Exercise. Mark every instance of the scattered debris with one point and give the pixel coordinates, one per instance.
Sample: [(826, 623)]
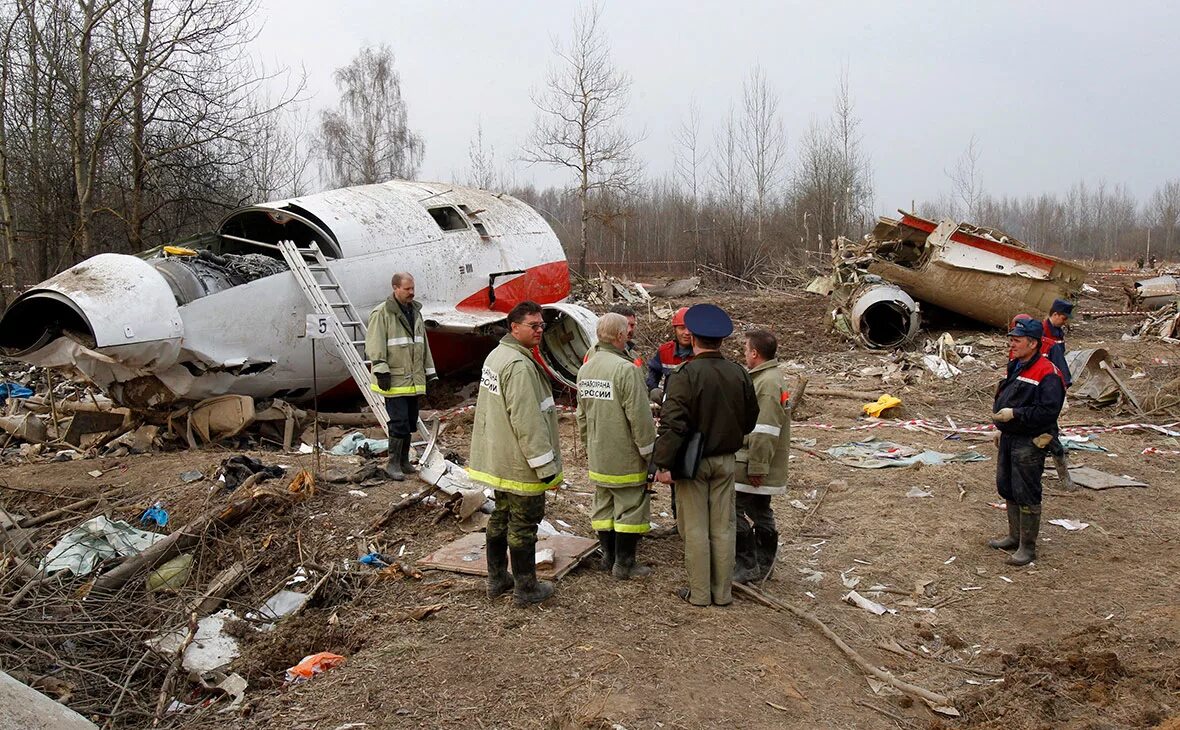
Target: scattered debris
[(873, 607), (1094, 479), (466, 555), (81, 549), (356, 441), (1071, 525), (875, 454), (882, 404), (918, 492), (312, 665), (237, 470)]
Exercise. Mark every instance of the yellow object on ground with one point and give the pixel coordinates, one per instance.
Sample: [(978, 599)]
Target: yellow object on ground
[(884, 402), (179, 251)]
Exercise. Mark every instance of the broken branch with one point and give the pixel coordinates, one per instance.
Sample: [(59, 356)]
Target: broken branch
[(396, 507), (910, 689)]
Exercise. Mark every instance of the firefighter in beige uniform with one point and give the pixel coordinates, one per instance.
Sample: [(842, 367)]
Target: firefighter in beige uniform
[(515, 451), (402, 365), (761, 468), (615, 424)]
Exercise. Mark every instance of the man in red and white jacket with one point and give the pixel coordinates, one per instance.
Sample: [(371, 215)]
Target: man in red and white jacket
[(1027, 404), (671, 354)]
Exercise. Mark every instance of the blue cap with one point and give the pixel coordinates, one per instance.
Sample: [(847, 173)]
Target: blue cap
[(708, 320), (1060, 305), (1027, 328)]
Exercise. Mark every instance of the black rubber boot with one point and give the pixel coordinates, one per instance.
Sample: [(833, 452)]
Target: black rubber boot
[(746, 564), (766, 549), (625, 566), (407, 467), (499, 580), (1013, 539), (606, 544), (524, 573), (1030, 526), (393, 465)]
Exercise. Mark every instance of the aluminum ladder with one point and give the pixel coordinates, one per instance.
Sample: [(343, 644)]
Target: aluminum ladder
[(347, 329)]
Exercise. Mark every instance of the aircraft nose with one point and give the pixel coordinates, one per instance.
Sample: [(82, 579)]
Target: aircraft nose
[(114, 303)]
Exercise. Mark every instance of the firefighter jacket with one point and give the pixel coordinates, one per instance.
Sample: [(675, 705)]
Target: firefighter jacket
[(708, 394), (399, 347), (667, 357), (614, 418), (1035, 392), (514, 446), (1053, 347), (767, 448)]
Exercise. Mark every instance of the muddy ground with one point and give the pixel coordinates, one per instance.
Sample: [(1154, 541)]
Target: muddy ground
[(1087, 637)]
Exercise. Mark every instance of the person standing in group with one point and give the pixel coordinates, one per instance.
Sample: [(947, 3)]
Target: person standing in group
[(715, 398), (1053, 347), (615, 423), (629, 350), (670, 355), (1027, 404), (396, 345), (761, 470), (515, 451)]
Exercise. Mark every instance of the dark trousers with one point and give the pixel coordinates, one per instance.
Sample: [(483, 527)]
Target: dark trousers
[(517, 516), (1018, 470), (754, 513), (403, 415)]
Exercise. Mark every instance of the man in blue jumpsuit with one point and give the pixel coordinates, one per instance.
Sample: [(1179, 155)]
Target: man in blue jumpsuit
[(1025, 411)]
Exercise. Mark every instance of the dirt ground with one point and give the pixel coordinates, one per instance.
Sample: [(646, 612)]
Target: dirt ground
[(1087, 637)]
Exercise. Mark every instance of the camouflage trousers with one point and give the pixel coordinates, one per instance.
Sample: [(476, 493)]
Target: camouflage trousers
[(516, 516)]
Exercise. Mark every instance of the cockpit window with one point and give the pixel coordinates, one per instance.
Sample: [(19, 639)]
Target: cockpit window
[(448, 218)]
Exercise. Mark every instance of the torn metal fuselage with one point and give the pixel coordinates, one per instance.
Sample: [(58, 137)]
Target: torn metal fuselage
[(977, 272), (222, 315)]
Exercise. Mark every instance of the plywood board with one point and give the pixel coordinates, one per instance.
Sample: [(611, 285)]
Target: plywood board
[(466, 555), (1094, 479)]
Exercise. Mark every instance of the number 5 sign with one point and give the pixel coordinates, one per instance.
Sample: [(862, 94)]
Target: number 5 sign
[(317, 326)]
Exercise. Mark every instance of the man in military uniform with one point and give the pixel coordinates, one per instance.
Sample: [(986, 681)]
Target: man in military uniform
[(1025, 411), (713, 397), (515, 451), (615, 424), (401, 366), (761, 470)]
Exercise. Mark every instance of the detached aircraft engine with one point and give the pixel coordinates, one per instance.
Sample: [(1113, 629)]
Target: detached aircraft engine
[(222, 314)]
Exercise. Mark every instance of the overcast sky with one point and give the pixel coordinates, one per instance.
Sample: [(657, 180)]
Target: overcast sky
[(1053, 91)]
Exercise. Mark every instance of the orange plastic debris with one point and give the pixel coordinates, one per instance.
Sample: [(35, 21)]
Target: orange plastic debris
[(312, 665)]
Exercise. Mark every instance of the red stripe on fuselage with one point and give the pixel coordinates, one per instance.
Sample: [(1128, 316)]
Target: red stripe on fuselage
[(544, 284), (1023, 255)]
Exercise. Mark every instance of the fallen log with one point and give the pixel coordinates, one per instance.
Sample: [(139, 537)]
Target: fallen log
[(841, 393), (221, 586), (188, 535), (70, 508), (935, 699), (396, 507), (345, 419)]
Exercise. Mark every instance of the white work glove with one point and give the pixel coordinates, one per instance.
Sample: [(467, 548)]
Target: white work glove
[(1003, 415)]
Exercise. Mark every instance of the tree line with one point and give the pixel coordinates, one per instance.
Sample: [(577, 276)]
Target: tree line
[(126, 124)]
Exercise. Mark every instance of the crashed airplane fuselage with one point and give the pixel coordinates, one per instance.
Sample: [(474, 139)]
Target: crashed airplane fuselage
[(976, 272), (170, 325)]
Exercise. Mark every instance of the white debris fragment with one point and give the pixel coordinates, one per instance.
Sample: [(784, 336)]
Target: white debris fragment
[(1006, 579), (798, 505), (1071, 525), (950, 560), (872, 607), (918, 492), (849, 582)]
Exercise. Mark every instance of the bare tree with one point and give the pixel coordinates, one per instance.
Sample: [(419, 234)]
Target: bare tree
[(367, 138), (731, 185), (855, 185), (579, 127), (690, 160), (482, 160), (1163, 214), (763, 143), (965, 180), (9, 27)]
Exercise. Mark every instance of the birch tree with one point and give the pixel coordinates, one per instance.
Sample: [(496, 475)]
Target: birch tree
[(580, 124)]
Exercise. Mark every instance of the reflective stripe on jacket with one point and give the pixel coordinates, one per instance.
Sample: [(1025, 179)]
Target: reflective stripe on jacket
[(514, 444), (1053, 347), (1035, 392), (667, 358), (397, 347), (767, 448), (614, 419)]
